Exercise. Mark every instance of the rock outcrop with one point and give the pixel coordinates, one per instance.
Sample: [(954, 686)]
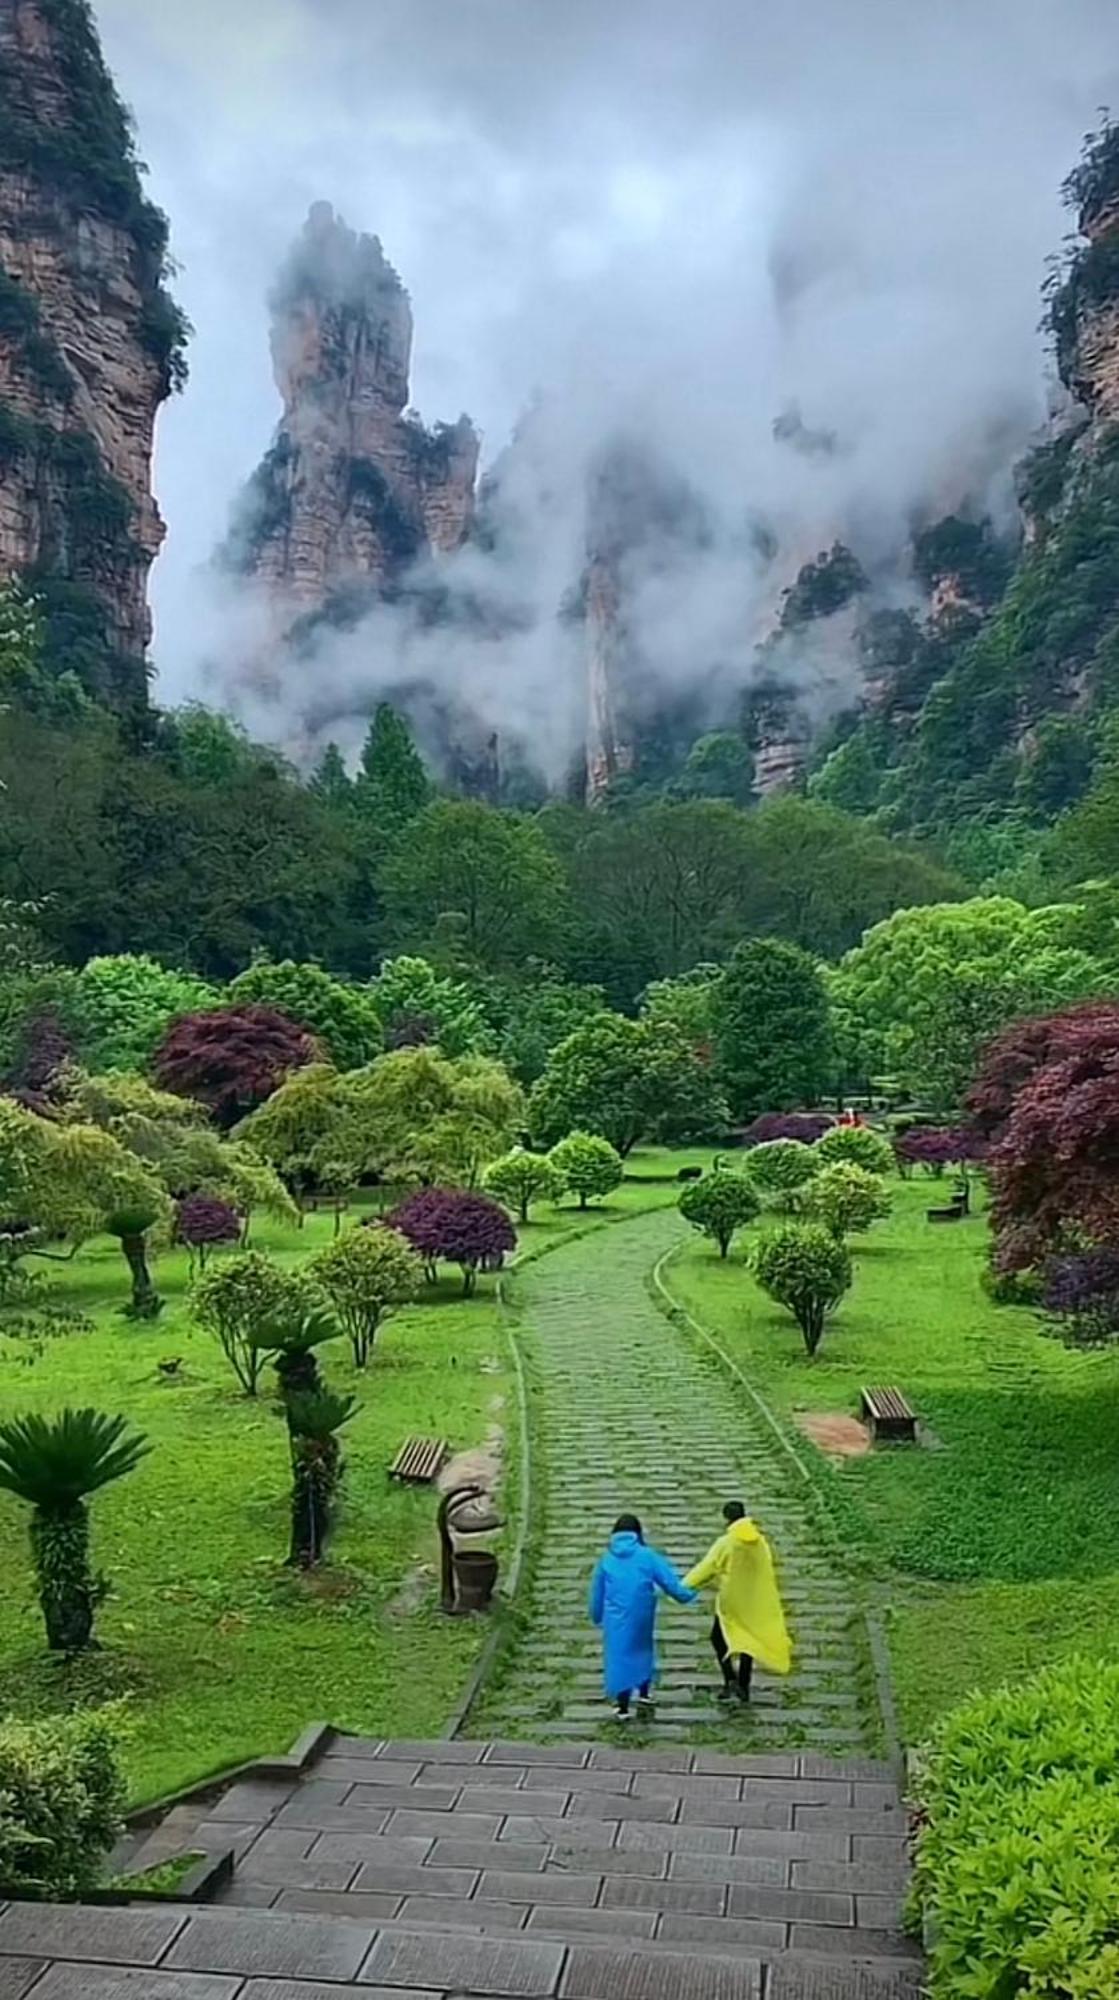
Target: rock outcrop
[(354, 488), (90, 346)]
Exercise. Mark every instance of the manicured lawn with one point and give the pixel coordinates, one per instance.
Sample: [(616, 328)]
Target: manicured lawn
[(1000, 1547), (224, 1653)]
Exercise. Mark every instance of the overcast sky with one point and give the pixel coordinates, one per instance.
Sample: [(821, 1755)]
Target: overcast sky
[(675, 217)]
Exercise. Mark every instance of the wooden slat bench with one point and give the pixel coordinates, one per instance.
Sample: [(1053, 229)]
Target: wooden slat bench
[(420, 1460), (889, 1415)]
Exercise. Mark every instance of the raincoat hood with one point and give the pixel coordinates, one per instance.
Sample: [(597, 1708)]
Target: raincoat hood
[(743, 1532), (625, 1544)]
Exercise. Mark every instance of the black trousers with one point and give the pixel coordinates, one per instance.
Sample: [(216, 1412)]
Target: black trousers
[(622, 1703), (722, 1654)]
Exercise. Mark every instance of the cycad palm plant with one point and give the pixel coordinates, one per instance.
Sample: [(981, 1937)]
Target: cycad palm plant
[(314, 1420), (55, 1463)]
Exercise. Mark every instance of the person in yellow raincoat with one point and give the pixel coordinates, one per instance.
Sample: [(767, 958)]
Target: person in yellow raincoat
[(749, 1616)]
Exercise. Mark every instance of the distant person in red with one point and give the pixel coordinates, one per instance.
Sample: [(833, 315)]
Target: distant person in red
[(850, 1117)]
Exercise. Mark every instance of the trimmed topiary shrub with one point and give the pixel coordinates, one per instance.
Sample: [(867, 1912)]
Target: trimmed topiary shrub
[(856, 1146), (804, 1268), (455, 1226), (519, 1178), (781, 1169), (586, 1165), (846, 1199), (61, 1795), (365, 1274), (718, 1205), (1017, 1870)]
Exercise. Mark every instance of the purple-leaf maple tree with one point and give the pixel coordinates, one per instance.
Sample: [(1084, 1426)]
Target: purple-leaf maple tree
[(1049, 1093), (807, 1126), (455, 1226), (231, 1058)]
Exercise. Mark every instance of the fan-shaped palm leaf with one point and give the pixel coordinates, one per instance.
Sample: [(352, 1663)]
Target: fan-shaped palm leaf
[(55, 1462), (319, 1415)]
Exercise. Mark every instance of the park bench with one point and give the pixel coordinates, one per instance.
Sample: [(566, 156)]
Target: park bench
[(889, 1415), (419, 1460), (955, 1209)]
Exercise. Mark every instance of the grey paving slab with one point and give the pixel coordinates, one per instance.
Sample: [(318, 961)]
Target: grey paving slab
[(253, 1800), (454, 1853), (809, 1906), (695, 1899), (360, 1909), (463, 1964), (422, 1798), (855, 1943), (16, 1975), (347, 1770), (723, 1933), (382, 1878), (271, 1944), (481, 1913), (412, 1750), (597, 1973), (640, 1835), (773, 1870), (800, 1979), (302, 1989), (372, 1850), (287, 1871), (407, 1825), (333, 1819), (639, 1924), (62, 1930), (110, 1982), (556, 1889)]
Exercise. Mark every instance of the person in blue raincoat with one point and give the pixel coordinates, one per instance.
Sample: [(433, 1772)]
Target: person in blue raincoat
[(623, 1602)]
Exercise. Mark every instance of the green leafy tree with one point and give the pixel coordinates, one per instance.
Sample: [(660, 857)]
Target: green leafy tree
[(125, 1004), (233, 1300), (626, 1080), (343, 1018), (719, 1205), (781, 1169), (392, 787), (331, 781), (586, 1165), (683, 1004), (856, 1146), (929, 988), (847, 1199), (804, 1268), (718, 766), (537, 1018), (55, 1464), (415, 1003), (491, 873), (519, 1178), (364, 1275), (421, 1117), (300, 1124), (770, 1029)]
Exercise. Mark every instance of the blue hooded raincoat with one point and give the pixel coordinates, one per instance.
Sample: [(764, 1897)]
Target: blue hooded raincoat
[(624, 1602)]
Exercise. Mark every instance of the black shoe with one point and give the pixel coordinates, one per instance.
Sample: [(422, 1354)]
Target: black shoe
[(727, 1692)]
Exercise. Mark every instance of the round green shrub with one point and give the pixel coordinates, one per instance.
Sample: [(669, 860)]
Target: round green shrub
[(781, 1169), (846, 1199), (586, 1165), (1017, 1870), (856, 1146), (805, 1269), (718, 1205)]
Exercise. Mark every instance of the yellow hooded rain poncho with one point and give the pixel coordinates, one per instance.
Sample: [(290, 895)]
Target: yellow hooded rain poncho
[(748, 1602)]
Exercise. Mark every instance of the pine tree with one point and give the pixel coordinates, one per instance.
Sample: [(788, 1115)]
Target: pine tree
[(331, 782), (393, 786)]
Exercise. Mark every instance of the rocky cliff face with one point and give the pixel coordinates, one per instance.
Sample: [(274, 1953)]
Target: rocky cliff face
[(354, 489), (90, 346)]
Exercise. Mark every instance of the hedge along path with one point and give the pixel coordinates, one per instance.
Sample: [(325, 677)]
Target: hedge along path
[(629, 1414)]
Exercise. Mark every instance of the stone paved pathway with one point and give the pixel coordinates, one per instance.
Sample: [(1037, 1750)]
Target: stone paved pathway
[(629, 1415)]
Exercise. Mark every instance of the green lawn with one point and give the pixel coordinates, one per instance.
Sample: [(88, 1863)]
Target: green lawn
[(997, 1549), (224, 1652)]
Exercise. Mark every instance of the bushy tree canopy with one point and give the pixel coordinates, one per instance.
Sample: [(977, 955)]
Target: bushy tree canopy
[(769, 1029), (626, 1080), (125, 1005), (806, 1269), (342, 1018), (781, 1169), (519, 1178), (456, 1226), (586, 1165), (231, 1058), (490, 875), (719, 1205), (847, 1199), (416, 1004), (856, 1146), (365, 1274)]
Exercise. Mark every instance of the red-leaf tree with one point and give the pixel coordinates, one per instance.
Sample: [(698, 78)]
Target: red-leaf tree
[(1049, 1094), (202, 1222), (456, 1226), (231, 1058)]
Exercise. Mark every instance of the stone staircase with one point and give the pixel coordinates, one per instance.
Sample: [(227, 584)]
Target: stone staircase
[(508, 1870)]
